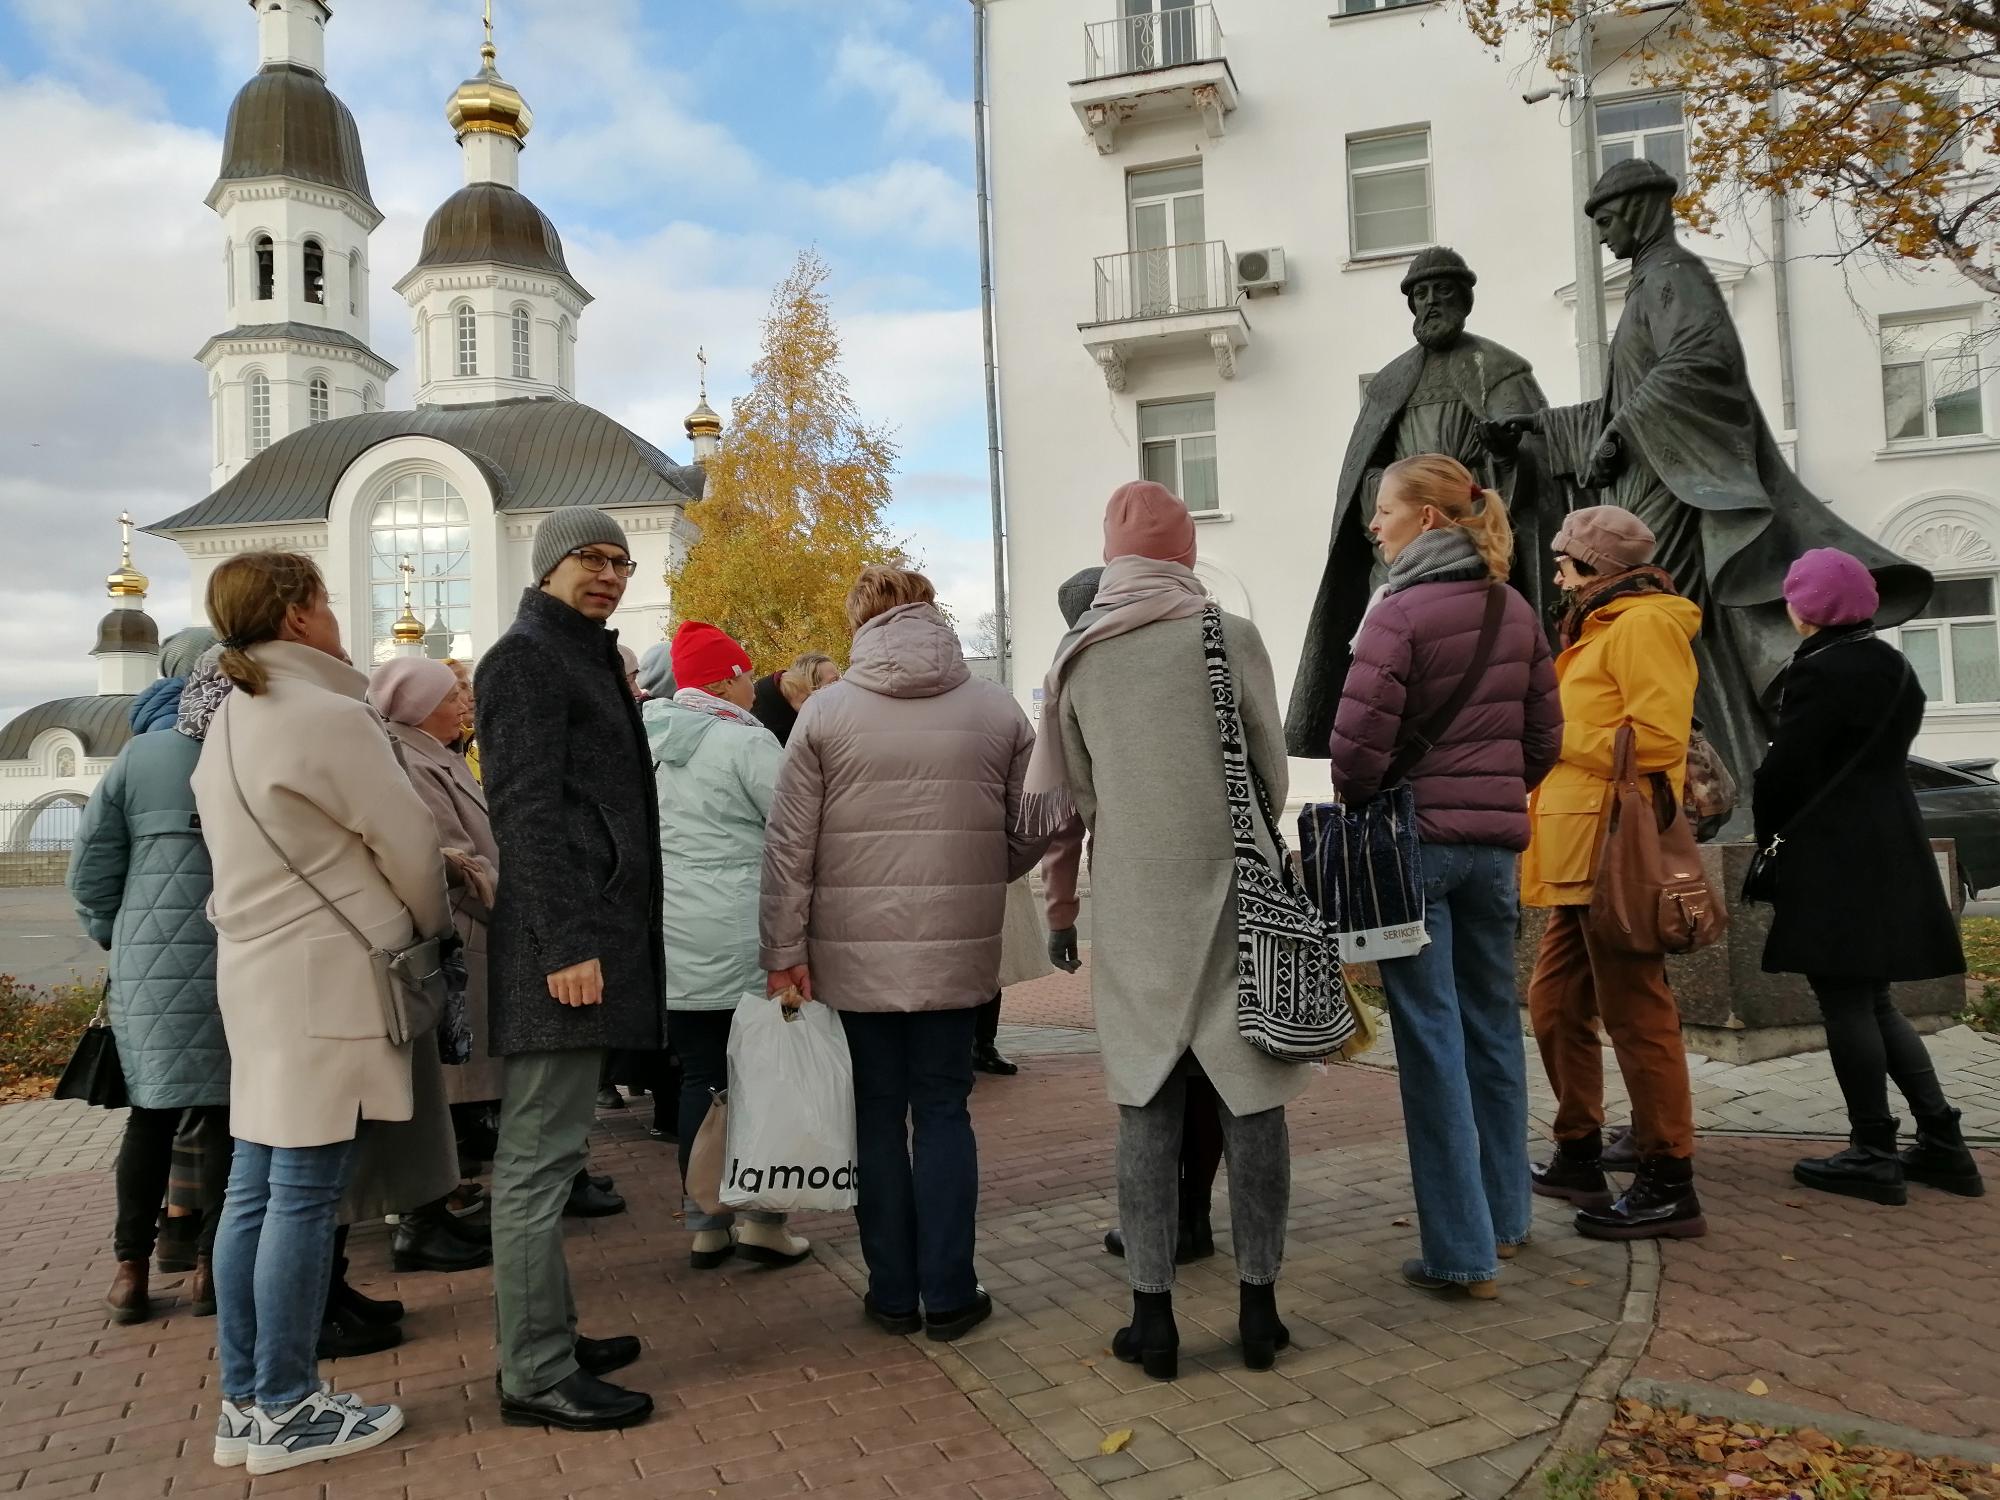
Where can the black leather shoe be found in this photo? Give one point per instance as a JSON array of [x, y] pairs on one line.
[[582, 1403], [1114, 1242], [1659, 1205], [1575, 1173], [1939, 1158], [1869, 1168], [344, 1336], [589, 1201], [609, 1098], [600, 1357], [431, 1242], [900, 1324], [988, 1060], [942, 1328], [599, 1180], [376, 1312]]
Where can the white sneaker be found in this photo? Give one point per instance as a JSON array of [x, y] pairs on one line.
[[324, 1425], [233, 1429]]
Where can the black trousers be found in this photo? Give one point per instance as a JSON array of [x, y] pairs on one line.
[[701, 1040], [986, 1025], [1870, 1042], [1201, 1145], [145, 1162]]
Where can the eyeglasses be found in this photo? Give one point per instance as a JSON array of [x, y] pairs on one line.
[[597, 562]]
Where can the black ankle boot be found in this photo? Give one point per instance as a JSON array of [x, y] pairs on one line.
[[1869, 1168], [1575, 1173], [429, 1240], [1258, 1327], [1152, 1341], [1939, 1158], [1660, 1204], [1196, 1240]]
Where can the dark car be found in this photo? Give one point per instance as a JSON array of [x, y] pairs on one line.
[[1961, 801]]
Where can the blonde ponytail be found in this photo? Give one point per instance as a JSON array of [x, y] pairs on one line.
[[1447, 487], [247, 599]]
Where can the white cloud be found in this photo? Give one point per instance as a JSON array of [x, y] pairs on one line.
[[909, 201], [914, 100]]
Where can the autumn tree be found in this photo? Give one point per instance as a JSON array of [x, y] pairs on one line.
[[792, 510], [1872, 109]]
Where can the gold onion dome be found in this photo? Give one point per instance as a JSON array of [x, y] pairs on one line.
[[127, 582], [703, 422], [486, 101], [408, 629]]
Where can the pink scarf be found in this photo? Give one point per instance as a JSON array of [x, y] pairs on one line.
[[1134, 592], [716, 708]]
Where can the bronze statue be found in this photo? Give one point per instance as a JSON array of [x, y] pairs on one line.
[[1679, 439], [1443, 396]]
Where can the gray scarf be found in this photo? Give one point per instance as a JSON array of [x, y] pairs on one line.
[[1446, 555], [202, 696]]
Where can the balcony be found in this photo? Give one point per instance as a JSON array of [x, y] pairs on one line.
[[1149, 67], [1169, 300]]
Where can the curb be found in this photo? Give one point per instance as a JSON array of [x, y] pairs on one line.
[[1735, 1406]]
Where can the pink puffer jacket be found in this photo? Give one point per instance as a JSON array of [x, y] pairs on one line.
[[1414, 647], [890, 844]]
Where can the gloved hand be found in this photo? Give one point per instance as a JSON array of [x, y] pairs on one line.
[[1062, 950]]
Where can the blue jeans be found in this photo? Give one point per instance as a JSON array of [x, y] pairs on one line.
[[273, 1255], [1462, 1063], [918, 1160]]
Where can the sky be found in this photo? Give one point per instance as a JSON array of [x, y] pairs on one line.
[[687, 150]]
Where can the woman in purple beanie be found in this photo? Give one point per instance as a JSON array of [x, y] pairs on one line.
[[1833, 799]]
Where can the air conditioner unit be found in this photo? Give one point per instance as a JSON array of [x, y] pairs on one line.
[[1260, 271]]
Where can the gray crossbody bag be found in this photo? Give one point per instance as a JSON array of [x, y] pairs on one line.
[[409, 981]]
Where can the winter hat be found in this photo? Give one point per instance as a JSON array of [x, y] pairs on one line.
[[1827, 587], [1077, 594], [408, 689], [563, 531], [1608, 537], [1145, 519], [629, 659], [703, 655], [656, 671], [183, 649]]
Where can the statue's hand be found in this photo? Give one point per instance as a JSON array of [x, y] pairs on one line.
[[1503, 438], [1605, 464], [1520, 424]]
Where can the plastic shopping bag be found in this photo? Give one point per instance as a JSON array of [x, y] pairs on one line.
[[791, 1110]]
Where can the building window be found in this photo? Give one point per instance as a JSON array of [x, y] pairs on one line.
[[1653, 128], [1907, 146], [1159, 34], [267, 268], [1389, 192], [1931, 380], [421, 519], [315, 272], [467, 324], [565, 357], [355, 291], [260, 413], [1177, 449], [319, 399], [523, 332], [371, 399], [1954, 644], [1168, 224]]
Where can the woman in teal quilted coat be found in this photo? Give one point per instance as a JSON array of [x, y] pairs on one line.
[[140, 879]]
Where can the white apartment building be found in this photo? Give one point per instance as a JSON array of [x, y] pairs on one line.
[[1140, 149]]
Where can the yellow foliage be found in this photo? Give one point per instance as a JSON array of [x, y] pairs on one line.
[[792, 511]]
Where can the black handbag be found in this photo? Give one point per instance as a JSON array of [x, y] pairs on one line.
[[95, 1075]]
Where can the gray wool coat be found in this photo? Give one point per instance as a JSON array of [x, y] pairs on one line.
[[140, 878], [1145, 766], [569, 788]]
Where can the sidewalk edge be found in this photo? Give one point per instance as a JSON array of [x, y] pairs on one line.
[[1736, 1406]]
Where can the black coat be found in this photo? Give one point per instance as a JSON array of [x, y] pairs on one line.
[[772, 708], [569, 787], [1858, 895]]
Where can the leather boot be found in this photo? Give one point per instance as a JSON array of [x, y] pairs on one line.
[[430, 1240], [1869, 1168], [1660, 1204], [1939, 1158], [1575, 1172], [129, 1301], [1257, 1325], [1151, 1340], [1196, 1239], [353, 1306], [201, 1291]]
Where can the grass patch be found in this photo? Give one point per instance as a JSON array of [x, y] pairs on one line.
[[39, 1029], [1981, 936]]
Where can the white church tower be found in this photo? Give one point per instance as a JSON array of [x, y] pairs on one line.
[[293, 199], [494, 305]]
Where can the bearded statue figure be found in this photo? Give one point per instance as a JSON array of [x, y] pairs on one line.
[[1443, 396]]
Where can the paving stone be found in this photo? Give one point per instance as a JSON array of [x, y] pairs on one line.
[[1318, 1465]]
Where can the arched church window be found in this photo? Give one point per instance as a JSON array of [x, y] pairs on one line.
[[260, 412], [315, 269], [523, 333], [65, 761], [371, 399], [420, 518], [565, 357], [467, 324], [423, 348], [267, 268], [319, 399], [354, 287]]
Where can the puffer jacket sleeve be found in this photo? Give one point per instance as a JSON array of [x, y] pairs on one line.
[[1024, 851], [1649, 657], [359, 783], [1369, 720], [791, 851], [101, 857], [1542, 722]]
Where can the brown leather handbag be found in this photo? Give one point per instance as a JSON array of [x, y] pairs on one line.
[[1651, 896]]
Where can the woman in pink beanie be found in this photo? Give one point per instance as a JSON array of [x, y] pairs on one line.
[[1832, 799]]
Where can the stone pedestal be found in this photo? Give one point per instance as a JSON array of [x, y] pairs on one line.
[[1730, 1008]]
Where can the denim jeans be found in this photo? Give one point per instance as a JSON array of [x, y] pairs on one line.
[[273, 1255], [918, 1160], [1462, 1063], [701, 1038]]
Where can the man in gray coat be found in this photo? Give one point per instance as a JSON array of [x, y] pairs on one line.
[[575, 946]]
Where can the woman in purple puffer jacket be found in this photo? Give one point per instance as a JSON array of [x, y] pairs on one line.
[[1453, 1007]]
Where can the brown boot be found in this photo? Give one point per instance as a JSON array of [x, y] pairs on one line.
[[201, 1291], [128, 1301]]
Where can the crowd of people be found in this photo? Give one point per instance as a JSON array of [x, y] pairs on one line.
[[369, 933]]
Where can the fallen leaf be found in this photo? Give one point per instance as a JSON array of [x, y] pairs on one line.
[[1788, 1257], [1400, 1223], [1621, 1488], [1758, 1388], [1579, 1281], [1116, 1441], [1737, 1481], [1088, 1364]]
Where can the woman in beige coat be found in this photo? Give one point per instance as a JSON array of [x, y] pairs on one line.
[[298, 783]]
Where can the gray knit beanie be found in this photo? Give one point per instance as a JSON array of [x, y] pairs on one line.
[[1077, 593], [183, 649], [563, 531]]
